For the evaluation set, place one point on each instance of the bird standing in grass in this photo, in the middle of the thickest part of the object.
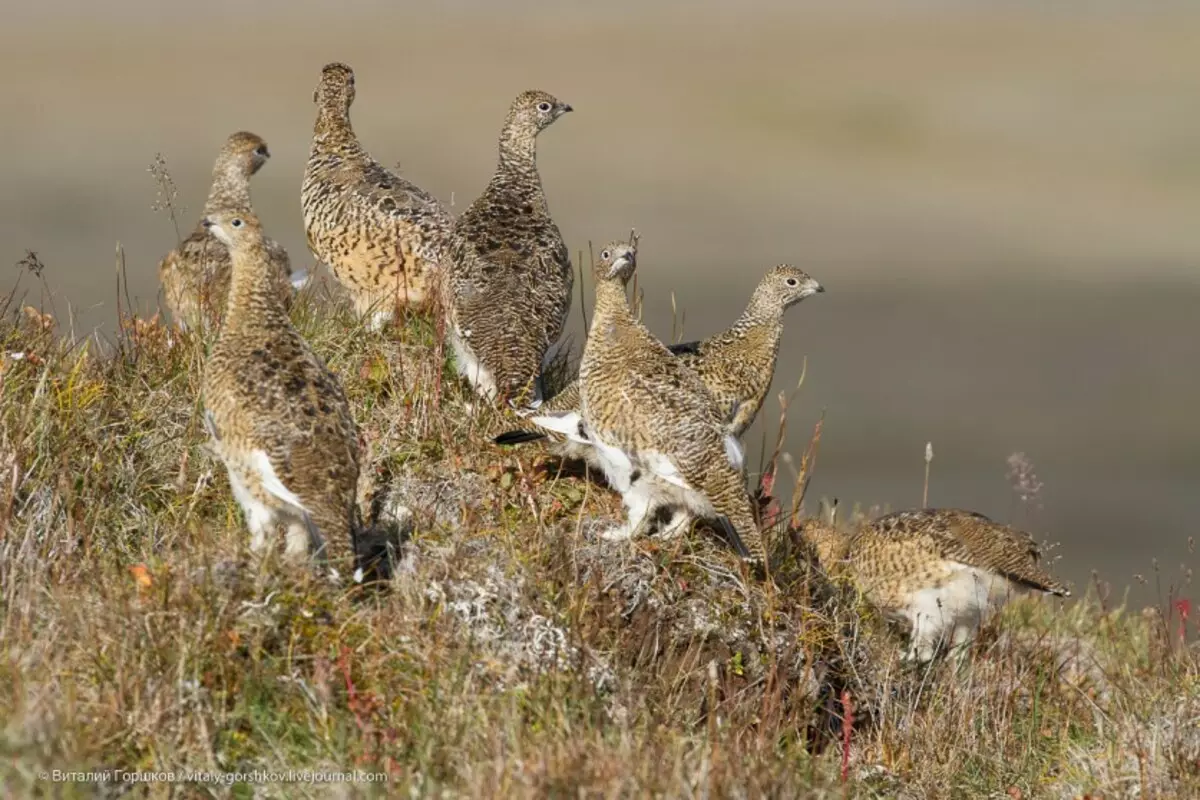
(381, 235)
(509, 276)
(278, 417)
(941, 571)
(195, 275)
(737, 365)
(659, 433)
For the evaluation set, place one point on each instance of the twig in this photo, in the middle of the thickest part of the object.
(808, 464)
(928, 461)
(847, 730)
(168, 194)
(638, 295)
(582, 299)
(120, 268)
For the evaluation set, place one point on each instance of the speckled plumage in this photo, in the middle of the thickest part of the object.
(195, 275)
(278, 417)
(737, 365)
(509, 273)
(381, 235)
(660, 435)
(943, 571)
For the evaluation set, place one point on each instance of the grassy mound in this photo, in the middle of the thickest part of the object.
(514, 654)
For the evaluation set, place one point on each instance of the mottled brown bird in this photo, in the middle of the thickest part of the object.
(737, 365)
(381, 235)
(278, 417)
(940, 571)
(195, 275)
(509, 273)
(660, 436)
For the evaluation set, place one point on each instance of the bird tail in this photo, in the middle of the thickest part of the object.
(1057, 589)
(378, 544)
(731, 506)
(732, 536)
(560, 424)
(514, 437)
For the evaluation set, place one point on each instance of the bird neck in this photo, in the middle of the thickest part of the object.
(518, 156)
(230, 186)
(254, 297)
(611, 301)
(610, 316)
(763, 309)
(759, 324)
(333, 128)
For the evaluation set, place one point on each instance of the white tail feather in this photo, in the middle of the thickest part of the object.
(270, 481)
(565, 423)
(733, 451)
(664, 468)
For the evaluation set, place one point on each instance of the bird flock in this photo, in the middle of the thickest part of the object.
(662, 424)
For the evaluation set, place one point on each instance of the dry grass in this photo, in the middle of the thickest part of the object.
(513, 655)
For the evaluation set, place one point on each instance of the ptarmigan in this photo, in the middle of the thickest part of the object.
(660, 436)
(510, 277)
(737, 365)
(381, 235)
(195, 275)
(941, 571)
(278, 417)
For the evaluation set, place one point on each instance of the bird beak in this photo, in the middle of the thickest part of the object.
(620, 264)
(207, 223)
(819, 289)
(564, 108)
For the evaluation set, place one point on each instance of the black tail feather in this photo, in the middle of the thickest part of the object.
(732, 535)
(519, 437)
(376, 550)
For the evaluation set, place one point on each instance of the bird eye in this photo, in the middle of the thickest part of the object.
(605, 256)
(544, 107)
(236, 223)
(261, 151)
(792, 281)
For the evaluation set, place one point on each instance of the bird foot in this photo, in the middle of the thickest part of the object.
(918, 655)
(675, 526)
(617, 533)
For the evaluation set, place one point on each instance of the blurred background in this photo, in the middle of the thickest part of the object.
(1001, 200)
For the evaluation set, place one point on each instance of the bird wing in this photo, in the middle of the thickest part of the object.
(913, 521)
(567, 399)
(394, 197)
(512, 291)
(687, 429)
(284, 381)
(971, 538)
(699, 356)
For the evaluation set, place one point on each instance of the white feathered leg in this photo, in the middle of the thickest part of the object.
(637, 510)
(299, 540)
(260, 519)
(679, 523)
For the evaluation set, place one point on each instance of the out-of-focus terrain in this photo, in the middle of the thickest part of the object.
(1001, 203)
